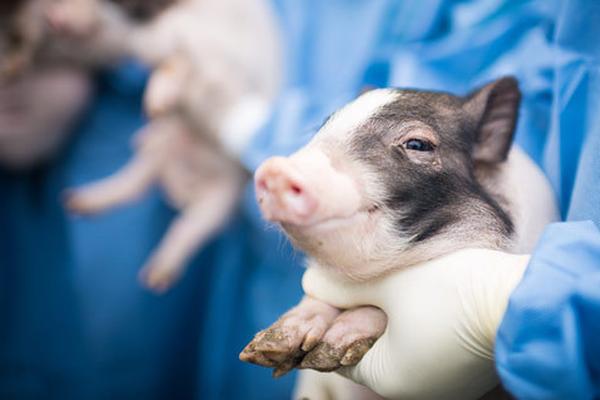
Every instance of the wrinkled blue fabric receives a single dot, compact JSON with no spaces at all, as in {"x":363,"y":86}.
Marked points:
{"x":74,"y":322}
{"x":547,"y":346}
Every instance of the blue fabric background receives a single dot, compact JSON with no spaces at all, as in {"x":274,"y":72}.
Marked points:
{"x":74,"y":322}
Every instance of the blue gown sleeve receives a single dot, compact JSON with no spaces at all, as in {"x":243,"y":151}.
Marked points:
{"x":547,"y":346}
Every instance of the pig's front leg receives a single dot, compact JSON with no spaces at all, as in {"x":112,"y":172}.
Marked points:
{"x":283,"y":345}
{"x":347,"y":340}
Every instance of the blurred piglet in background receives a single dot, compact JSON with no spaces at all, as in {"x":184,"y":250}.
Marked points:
{"x":215,"y":71}
{"x":394,"y":179}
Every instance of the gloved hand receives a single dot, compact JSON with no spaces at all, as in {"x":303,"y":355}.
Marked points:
{"x":442,"y":321}
{"x":37,"y":110}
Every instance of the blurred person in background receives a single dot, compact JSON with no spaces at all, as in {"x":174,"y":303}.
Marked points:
{"x":74,"y":323}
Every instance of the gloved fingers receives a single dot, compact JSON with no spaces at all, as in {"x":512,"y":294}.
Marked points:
{"x":370,"y":371}
{"x":338,"y":291}
{"x":313,"y":385}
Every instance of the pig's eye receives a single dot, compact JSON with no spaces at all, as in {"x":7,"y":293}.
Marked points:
{"x":418,"y":145}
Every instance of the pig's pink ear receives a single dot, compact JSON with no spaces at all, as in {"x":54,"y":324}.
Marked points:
{"x":494,"y":109}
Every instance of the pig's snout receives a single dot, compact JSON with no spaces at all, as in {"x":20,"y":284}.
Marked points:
{"x":282,"y":194}
{"x":305,"y":189}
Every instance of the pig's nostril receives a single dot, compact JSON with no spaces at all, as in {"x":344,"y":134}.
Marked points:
{"x":296,"y":189}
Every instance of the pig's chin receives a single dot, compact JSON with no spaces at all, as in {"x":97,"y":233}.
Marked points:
{"x":327,"y":238}
{"x":331,"y":223}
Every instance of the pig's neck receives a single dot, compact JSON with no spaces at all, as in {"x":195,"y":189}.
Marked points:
{"x":480,"y":231}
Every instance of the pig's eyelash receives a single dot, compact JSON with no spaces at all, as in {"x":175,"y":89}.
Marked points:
{"x":416,"y":135}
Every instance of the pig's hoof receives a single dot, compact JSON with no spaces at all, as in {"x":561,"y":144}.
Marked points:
{"x":352,"y":334}
{"x":157,"y":279}
{"x":78,"y":202}
{"x":289,"y":364}
{"x":327,"y":357}
{"x":252,"y":355}
{"x":283,"y":345}
{"x":275,"y":347}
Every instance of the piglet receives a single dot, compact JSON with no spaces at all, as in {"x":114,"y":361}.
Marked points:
{"x":215,"y":68}
{"x":393,"y":179}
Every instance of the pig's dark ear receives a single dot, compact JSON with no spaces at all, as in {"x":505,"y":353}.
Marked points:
{"x":494,"y":109}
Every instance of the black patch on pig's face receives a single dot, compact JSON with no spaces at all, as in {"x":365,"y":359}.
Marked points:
{"x":426,"y":191}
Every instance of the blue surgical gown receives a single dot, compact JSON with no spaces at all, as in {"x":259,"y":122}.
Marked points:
{"x":75,"y":324}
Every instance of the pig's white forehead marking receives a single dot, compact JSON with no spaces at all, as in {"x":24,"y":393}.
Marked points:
{"x":354,"y":114}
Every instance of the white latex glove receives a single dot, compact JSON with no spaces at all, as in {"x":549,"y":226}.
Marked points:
{"x":37,"y":111}
{"x":442,"y":321}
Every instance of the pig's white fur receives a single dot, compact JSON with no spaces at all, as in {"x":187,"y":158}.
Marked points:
{"x":354,"y":114}
{"x":531,"y":200}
